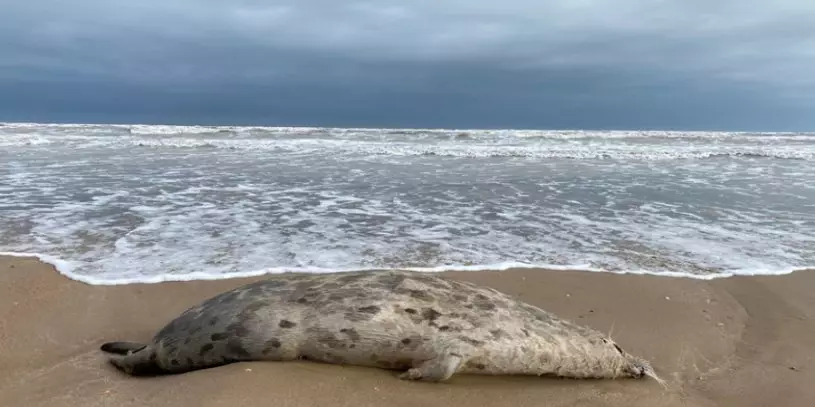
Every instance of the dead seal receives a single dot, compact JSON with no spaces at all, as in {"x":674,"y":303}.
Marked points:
{"x":427,"y":326}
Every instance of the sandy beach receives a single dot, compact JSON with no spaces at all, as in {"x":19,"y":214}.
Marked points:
{"x":741,"y":341}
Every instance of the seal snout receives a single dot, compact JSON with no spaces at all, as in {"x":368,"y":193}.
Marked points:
{"x":641,"y":369}
{"x":639,"y":372}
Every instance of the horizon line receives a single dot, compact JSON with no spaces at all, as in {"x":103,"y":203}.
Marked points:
{"x":440,"y":129}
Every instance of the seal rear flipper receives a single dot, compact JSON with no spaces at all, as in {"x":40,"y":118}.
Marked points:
{"x":139,"y":363}
{"x":122,"y":348}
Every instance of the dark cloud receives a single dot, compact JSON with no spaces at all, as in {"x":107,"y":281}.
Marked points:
{"x":516,"y":63}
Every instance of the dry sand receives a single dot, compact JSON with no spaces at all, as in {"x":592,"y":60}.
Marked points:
{"x":744,"y":341}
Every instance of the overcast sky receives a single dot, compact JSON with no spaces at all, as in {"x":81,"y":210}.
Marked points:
{"x":621,"y":64}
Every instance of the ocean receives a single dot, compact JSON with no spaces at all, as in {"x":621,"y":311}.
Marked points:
{"x":116,"y":204}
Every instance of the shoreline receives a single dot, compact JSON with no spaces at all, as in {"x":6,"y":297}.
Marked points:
{"x":65,"y":269}
{"x":736,"y":341}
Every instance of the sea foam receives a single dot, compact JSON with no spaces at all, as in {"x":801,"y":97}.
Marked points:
{"x":116,"y":204}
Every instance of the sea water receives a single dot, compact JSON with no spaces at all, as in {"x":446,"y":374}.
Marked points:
{"x":112,"y":204}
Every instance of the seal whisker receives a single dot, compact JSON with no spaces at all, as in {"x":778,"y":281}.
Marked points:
{"x":649,"y":371}
{"x":611,"y":330}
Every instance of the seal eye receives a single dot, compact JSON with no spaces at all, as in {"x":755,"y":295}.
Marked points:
{"x":618,"y":349}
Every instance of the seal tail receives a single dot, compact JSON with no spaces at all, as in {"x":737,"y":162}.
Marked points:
{"x":133,"y":358}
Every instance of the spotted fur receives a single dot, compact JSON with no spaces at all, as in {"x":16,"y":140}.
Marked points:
{"x":427,"y":325}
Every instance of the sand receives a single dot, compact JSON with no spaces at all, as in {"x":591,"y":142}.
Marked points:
{"x":741,"y":341}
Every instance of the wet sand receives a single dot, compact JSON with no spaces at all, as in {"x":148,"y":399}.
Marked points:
{"x":741,"y":341}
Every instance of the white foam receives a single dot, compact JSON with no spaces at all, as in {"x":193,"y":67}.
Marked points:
{"x":347,"y":199}
{"x":560,"y":133}
{"x":68,"y":269}
{"x":405,"y":142}
{"x":64,"y":267}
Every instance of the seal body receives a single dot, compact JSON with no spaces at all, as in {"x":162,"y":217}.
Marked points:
{"x":427,"y":326}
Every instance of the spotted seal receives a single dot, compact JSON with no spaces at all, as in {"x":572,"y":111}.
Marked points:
{"x":425,"y":325}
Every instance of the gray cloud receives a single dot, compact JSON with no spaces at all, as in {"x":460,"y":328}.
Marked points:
{"x":580,"y":58}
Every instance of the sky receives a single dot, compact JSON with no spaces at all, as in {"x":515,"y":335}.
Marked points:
{"x":616,"y":64}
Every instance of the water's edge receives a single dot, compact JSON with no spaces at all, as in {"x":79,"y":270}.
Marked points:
{"x":67,"y":269}
{"x":120,"y":204}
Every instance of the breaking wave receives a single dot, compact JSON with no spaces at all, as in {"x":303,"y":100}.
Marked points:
{"x":114,"y":204}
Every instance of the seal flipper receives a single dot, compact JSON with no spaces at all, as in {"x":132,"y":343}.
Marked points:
{"x":141,"y":362}
{"x":122,"y":348}
{"x":435,"y":370}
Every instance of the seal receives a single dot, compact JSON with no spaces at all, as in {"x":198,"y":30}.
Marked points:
{"x":427,"y":326}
